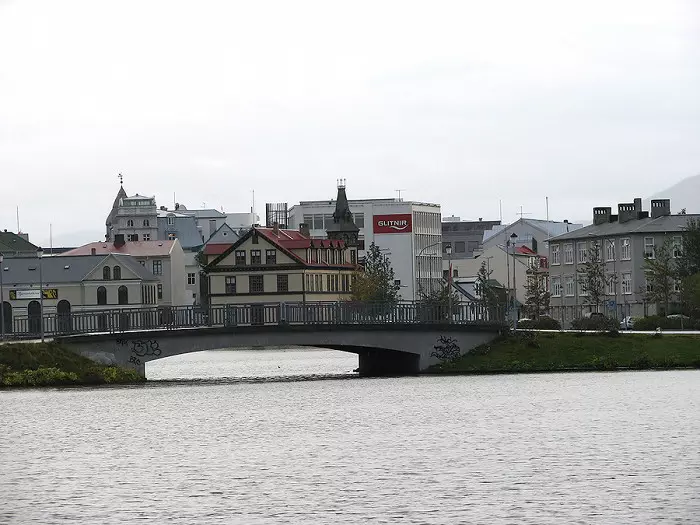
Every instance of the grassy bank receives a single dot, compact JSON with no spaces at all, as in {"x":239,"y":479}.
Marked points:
{"x":550,"y":352}
{"x":48,"y":364}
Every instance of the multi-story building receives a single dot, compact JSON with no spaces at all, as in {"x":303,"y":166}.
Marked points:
{"x":71,"y":285}
{"x":164,"y":259}
{"x":277,"y":265}
{"x":133,"y":217}
{"x":625,"y":240}
{"x":533,"y":233}
{"x":409,"y":233}
{"x":464,"y":237}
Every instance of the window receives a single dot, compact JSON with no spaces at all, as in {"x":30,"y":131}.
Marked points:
{"x":555,"y":254}
{"x":231,"y":285}
{"x":649,"y":249}
{"x":106,"y":273}
{"x":610,"y":250}
{"x":146,"y":223}
{"x":283,"y":283}
{"x":132,"y":237}
{"x":610,"y":284}
{"x":650,"y":287}
{"x":123,"y":294}
{"x":556,"y":286}
{"x":359,"y":219}
{"x":102,"y":295}
{"x":255,"y":257}
{"x":172,"y":236}
{"x":581,"y":288}
{"x":160,"y":291}
{"x":677,"y":247}
{"x":569,"y":253}
{"x":157,"y":267}
{"x":309,"y":220}
{"x":130,"y":223}
{"x":460,"y":247}
{"x":317,"y":222}
{"x":146,"y":236}
{"x":625,"y":249}
{"x":569,"y":286}
{"x":255,"y":239}
{"x":240,"y":258}
{"x":581,"y":251}
{"x":627,"y":283}
{"x":171,"y":220}
{"x":117,"y":273}
{"x":191,"y":279}
{"x":256,"y":284}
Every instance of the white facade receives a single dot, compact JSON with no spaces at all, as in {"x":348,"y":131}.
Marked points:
{"x":410,"y":233}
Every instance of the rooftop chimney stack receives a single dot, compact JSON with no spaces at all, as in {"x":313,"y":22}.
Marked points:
{"x":276,"y":228}
{"x":304,"y":229}
{"x":626,"y":211}
{"x":660,"y":208}
{"x":602,"y":215}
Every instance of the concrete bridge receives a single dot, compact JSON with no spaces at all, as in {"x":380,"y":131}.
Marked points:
{"x":390,"y":340}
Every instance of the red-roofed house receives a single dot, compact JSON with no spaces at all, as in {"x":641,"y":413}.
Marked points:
{"x":277,"y":265}
{"x":165,"y":259}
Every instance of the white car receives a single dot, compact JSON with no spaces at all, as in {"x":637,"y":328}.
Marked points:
{"x":627,"y":323}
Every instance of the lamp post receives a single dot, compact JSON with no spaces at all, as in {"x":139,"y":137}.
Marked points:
{"x":513,"y":238}
{"x":448,"y":251}
{"x":2,"y":303}
{"x":40,"y":254}
{"x":419,"y":264}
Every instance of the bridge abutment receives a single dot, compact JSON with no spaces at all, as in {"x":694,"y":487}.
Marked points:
{"x":375,"y":363}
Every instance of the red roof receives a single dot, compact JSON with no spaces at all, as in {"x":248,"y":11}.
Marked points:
{"x":216,"y":248}
{"x":135,"y":248}
{"x":295,"y":240}
{"x":524,"y":250}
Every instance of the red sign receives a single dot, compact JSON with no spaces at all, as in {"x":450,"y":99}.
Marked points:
{"x":398,"y":223}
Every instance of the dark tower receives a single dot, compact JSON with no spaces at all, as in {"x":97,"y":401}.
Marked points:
{"x":343,"y":227}
{"x":109,"y":223}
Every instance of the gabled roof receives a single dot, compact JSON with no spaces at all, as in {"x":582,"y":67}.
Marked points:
{"x":548,"y":228}
{"x":214,"y":248}
{"x":11,"y":243}
{"x":135,"y":248}
{"x":224,"y":234}
{"x":62,"y":269}
{"x":286,"y":241}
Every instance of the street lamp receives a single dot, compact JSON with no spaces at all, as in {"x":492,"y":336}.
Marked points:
{"x":2,"y":303}
{"x":514,"y":238}
{"x":40,"y":254}
{"x":419,"y":266}
{"x":448,"y":251}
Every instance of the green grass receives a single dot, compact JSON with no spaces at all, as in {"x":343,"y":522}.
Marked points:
{"x":540,"y":352}
{"x":49,"y":364}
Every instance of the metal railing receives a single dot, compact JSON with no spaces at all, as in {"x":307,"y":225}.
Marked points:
{"x":258,"y":314}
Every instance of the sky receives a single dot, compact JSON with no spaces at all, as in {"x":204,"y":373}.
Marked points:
{"x":467,"y":104}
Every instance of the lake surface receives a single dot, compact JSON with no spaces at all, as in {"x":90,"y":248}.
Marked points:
{"x":271,"y":445}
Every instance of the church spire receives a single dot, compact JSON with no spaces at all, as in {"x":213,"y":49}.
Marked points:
{"x":343,"y":227}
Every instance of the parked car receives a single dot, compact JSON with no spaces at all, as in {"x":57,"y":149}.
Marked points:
{"x":593,"y":315}
{"x":627,"y":323}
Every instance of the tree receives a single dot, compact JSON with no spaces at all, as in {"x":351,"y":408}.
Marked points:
{"x":376,"y":283}
{"x":488,"y":295}
{"x":437,"y":302}
{"x":689,"y":260}
{"x":661,"y":275}
{"x":536,"y":295}
{"x":592,"y":278}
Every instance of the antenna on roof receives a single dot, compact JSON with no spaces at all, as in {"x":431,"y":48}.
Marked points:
{"x":521,"y":213}
{"x":546,"y":201}
{"x":398,"y":194}
{"x":18,"y":229}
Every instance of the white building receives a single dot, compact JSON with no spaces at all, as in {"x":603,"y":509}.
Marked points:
{"x":410,"y":233}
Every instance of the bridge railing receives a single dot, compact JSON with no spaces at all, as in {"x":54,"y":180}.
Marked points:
{"x":259,"y":314}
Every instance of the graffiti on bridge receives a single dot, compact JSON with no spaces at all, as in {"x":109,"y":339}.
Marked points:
{"x":446,"y":349}
{"x":141,"y":347}
{"x":135,"y":360}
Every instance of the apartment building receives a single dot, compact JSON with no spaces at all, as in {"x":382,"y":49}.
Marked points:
{"x":625,"y":240}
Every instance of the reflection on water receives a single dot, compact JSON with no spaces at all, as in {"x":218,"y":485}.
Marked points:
{"x":613,"y":448}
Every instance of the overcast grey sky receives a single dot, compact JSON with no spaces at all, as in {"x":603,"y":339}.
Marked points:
{"x":461,"y":103}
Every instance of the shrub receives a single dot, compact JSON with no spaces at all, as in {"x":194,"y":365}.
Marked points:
{"x":656,"y":321}
{"x":543,"y":323}
{"x":596,"y":323}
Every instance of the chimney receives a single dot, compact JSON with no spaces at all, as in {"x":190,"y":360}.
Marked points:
{"x":601,"y":215}
{"x":638,"y":205}
{"x":626,"y":211}
{"x":93,"y":251}
{"x":276,"y":228}
{"x":304,"y":229}
{"x":660,"y":208}
{"x":119,"y":240}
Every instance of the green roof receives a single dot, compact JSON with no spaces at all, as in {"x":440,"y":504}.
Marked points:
{"x":12,"y":244}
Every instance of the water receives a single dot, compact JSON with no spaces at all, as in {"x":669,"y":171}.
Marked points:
{"x":527,"y":449}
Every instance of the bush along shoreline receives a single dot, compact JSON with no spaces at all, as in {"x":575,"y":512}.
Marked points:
{"x":49,"y":364}
{"x":528,"y":352}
